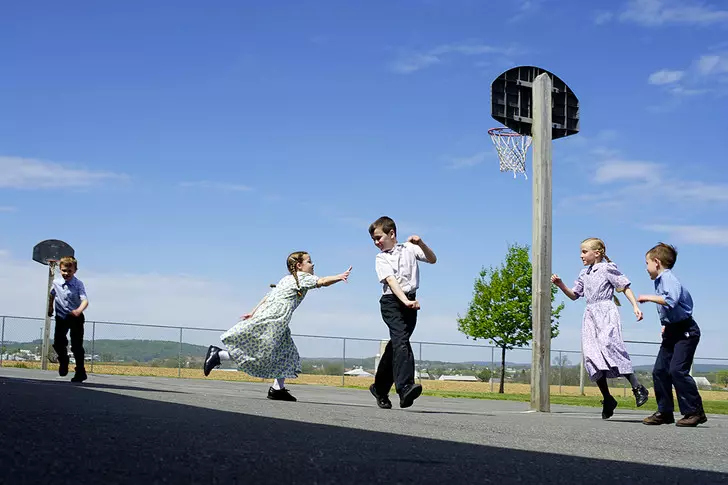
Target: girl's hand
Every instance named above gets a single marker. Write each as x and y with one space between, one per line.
638 313
246 316
345 275
555 279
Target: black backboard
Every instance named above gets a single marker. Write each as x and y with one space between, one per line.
51 249
511 102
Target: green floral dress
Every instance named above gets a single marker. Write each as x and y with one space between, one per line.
262 345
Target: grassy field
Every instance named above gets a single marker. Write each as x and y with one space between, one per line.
714 401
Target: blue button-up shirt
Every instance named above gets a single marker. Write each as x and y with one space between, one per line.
68 295
679 302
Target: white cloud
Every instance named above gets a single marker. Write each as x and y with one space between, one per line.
620 170
654 13
712 64
29 173
220 186
602 17
471 161
665 76
703 235
410 61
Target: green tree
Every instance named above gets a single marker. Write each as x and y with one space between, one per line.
500 310
484 375
722 377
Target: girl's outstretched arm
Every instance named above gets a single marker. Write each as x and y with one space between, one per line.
330 280
555 279
635 306
252 312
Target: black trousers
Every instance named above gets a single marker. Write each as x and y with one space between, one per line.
672 368
397 365
60 342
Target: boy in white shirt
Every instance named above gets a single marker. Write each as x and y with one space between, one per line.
398 271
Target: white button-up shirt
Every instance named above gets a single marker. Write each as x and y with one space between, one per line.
400 262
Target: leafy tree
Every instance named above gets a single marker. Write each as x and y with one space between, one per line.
484 375
722 377
500 310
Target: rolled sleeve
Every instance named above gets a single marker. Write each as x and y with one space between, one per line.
670 290
82 291
419 253
384 268
307 281
578 288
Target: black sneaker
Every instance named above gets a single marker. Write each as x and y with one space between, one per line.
212 359
80 375
641 394
280 395
63 366
608 407
409 394
382 401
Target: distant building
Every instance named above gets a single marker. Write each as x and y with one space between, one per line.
703 383
358 372
459 378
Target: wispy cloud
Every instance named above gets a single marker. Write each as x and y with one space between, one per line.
7 208
703 235
602 17
656 13
625 170
665 76
526 8
219 186
471 161
706 75
29 173
411 61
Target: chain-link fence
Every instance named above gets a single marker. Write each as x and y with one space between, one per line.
169 351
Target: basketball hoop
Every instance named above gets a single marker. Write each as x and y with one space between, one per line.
512 148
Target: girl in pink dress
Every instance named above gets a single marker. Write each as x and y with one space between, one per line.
605 355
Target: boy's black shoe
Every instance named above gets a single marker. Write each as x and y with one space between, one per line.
608 406
382 401
409 394
641 394
63 366
659 418
280 395
212 359
80 375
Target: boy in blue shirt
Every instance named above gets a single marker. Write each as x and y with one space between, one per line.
68 296
680 338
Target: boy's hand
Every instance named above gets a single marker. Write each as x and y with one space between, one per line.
50 313
415 239
76 312
413 304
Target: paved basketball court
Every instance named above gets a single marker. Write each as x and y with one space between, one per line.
115 429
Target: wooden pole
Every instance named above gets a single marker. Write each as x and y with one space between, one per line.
45 346
541 282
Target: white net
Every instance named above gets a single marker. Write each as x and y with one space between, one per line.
512 149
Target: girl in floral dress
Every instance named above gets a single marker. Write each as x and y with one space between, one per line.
261 342
605 355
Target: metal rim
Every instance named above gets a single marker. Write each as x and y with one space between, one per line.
503 131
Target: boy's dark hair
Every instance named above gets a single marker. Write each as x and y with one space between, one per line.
666 253
385 223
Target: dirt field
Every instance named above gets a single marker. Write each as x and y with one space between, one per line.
362 382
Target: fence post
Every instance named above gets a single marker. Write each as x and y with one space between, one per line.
179 355
492 363
419 376
2 342
561 371
93 344
581 373
343 372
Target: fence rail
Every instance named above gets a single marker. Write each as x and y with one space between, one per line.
480 349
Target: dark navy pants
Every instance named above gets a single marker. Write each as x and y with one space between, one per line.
672 368
397 365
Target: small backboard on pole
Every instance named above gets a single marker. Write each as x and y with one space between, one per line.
535 107
48 253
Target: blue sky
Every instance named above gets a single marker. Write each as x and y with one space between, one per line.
184 149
